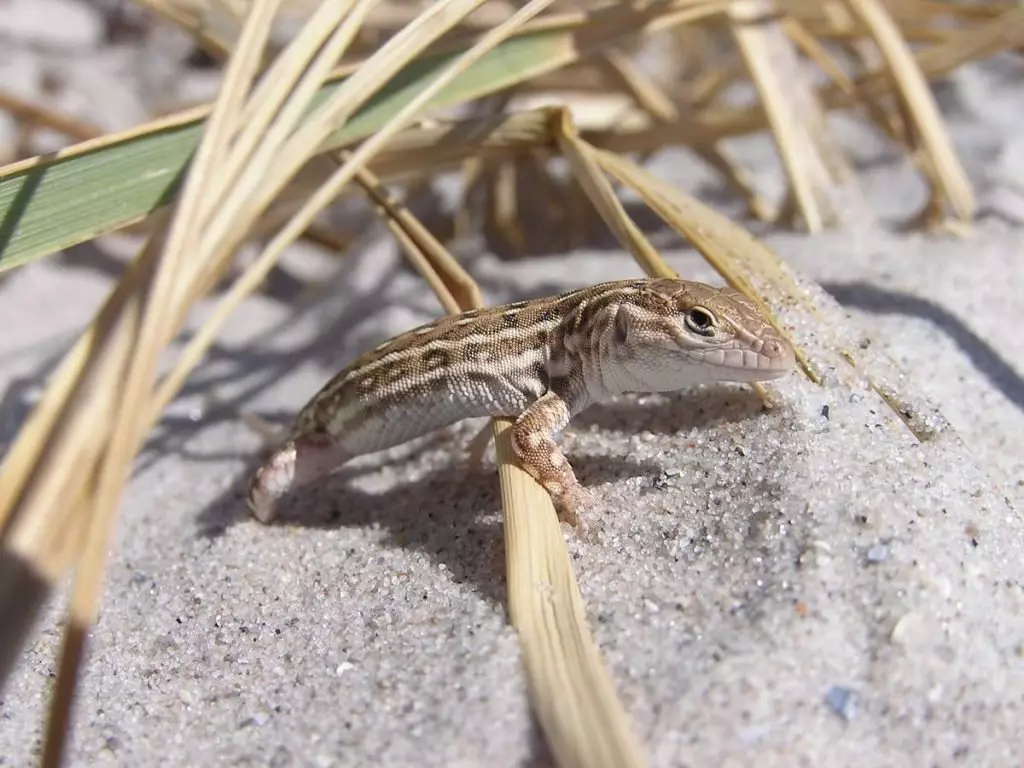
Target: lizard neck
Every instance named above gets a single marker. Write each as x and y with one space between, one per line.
602 361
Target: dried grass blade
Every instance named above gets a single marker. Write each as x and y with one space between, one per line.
650 97
260 183
408 231
736 177
144 331
414 106
380 68
27 452
41 115
187 17
201 189
462 143
84 599
949 174
639 86
279 103
57 509
973 42
715 125
63 455
814 50
58 725
814 164
255 274
575 701
454 287
590 177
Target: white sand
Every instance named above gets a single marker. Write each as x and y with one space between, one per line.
785 589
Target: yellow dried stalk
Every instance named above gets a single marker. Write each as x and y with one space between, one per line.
713 125
638 85
504 209
571 693
708 86
1001 34
948 176
600 191
913 16
193 19
821 181
425 253
813 49
38 115
648 96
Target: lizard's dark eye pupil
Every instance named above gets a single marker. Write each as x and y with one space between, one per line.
700 319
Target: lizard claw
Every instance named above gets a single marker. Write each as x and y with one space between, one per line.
572 502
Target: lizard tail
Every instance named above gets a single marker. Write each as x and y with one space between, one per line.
296 463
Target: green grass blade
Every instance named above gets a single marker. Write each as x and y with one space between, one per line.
68 200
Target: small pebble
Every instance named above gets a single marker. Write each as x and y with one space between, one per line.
822 421
843 702
256 721
878 553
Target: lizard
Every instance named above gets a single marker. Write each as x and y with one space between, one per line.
539 362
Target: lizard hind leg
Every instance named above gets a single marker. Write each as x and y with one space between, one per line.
296 463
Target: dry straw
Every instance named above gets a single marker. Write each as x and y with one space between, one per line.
334 110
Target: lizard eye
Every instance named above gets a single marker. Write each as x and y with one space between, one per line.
700 320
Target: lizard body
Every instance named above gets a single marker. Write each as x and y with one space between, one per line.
540 362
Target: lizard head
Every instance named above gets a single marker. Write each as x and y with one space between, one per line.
681 332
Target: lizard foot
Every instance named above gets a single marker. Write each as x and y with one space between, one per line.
572 504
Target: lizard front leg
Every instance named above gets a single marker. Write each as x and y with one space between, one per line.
534 444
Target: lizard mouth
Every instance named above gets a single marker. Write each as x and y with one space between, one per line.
769 359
